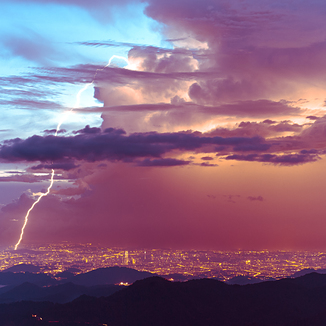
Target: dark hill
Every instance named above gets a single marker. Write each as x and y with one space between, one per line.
205 302
244 280
23 268
10 278
62 293
25 291
109 275
312 280
308 271
101 276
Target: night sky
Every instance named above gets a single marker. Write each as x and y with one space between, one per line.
183 124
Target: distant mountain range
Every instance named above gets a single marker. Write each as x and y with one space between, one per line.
22 273
25 282
23 268
109 275
158 302
10 278
42 287
61 293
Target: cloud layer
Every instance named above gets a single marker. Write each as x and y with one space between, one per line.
214 138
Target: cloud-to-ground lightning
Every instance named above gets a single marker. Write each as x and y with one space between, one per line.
77 105
31 208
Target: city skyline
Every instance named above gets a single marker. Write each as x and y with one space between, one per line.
183 124
173 264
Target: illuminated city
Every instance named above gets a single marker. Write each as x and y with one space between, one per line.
222 265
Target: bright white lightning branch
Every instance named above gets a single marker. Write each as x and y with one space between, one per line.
35 202
81 91
77 104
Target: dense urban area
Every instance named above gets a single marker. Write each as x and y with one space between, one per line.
224 265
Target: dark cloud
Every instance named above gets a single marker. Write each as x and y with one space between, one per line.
56 166
207 164
115 131
285 159
259 198
270 122
53 131
312 117
163 162
310 151
88 130
231 198
267 128
92 145
114 145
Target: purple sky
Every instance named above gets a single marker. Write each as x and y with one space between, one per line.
206 129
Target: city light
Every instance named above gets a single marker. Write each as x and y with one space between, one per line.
222 265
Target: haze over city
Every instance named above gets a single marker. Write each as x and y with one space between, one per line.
168 124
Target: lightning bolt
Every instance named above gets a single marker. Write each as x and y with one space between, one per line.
27 214
65 115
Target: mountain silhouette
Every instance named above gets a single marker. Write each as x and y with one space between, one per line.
23 268
41 287
308 271
109 275
61 293
244 280
10 278
100 276
156 301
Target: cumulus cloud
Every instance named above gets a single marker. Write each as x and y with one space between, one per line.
261 50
